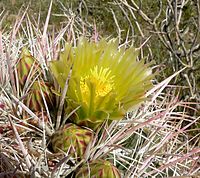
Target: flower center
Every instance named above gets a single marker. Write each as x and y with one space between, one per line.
101 79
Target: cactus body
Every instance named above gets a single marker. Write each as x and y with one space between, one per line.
98 169
38 93
27 66
72 139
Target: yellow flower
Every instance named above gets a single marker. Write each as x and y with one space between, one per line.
105 82
102 81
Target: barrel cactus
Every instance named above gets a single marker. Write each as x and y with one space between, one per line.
39 93
71 139
27 67
98 169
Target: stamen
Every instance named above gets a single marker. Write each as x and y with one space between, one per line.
101 79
